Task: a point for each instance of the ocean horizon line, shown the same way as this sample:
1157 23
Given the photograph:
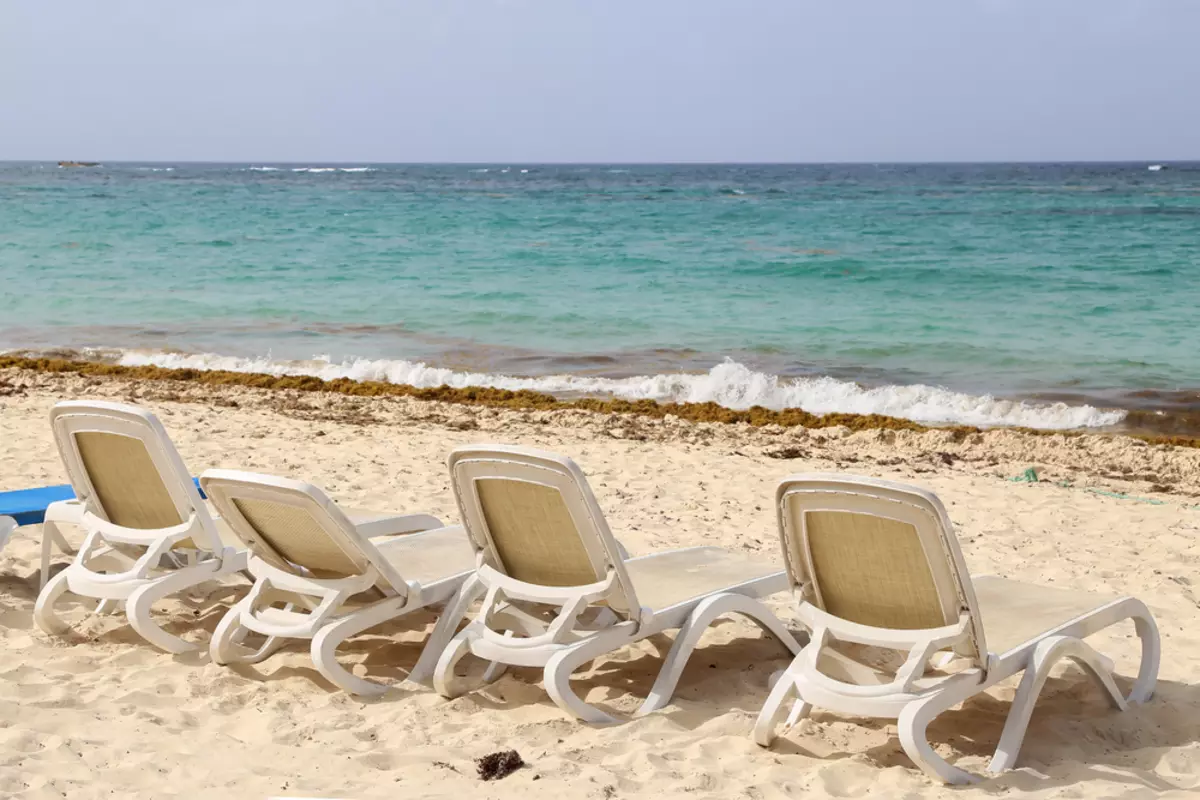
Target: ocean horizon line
734 163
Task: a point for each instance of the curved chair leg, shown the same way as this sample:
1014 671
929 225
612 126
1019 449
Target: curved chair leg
140 603
558 669
268 648
689 635
444 630
443 679
326 641
916 716
227 644
43 610
445 682
1147 631
223 649
1048 652
772 710
324 656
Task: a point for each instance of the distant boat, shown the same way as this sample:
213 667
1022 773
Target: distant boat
1156 167
79 163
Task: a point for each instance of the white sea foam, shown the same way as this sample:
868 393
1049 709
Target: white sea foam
357 169
314 169
730 384
264 169
155 169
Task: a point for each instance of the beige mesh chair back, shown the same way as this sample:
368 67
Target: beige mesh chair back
149 532
877 554
876 563
532 517
125 470
289 523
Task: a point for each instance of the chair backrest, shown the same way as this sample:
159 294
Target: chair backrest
534 518
290 523
123 466
876 553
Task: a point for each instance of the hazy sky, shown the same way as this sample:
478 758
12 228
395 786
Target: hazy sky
602 80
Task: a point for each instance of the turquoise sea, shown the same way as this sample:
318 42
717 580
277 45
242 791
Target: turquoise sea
1051 295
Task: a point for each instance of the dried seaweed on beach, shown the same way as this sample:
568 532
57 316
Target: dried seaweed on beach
525 400
500 764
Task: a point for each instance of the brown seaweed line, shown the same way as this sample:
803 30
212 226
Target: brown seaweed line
756 416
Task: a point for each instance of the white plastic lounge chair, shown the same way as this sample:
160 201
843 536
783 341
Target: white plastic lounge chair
325 573
148 532
876 563
559 589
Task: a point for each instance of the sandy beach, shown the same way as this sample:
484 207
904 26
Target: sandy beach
103 714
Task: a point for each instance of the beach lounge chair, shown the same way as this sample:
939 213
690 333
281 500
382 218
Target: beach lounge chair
325 573
876 563
558 590
148 531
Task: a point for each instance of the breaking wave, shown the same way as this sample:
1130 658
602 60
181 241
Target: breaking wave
729 384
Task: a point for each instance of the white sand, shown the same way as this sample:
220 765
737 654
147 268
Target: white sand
103 714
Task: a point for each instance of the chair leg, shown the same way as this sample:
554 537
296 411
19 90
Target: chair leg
557 674
1048 652
915 718
1147 631
140 603
223 649
326 641
227 645
43 610
689 635
49 532
270 646
1051 650
772 710
7 526
445 682
107 607
494 672
51 536
444 631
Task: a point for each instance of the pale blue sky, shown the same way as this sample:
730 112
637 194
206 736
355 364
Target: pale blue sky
605 80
